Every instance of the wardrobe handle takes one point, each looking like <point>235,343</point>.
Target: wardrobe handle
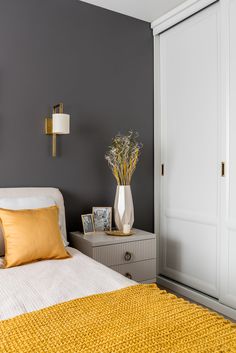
<point>162,169</point>
<point>223,169</point>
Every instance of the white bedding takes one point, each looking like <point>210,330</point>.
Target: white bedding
<point>41,284</point>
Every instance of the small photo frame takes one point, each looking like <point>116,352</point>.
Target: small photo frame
<point>88,223</point>
<point>102,218</point>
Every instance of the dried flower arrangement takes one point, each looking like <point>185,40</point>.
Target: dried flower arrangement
<point>123,155</point>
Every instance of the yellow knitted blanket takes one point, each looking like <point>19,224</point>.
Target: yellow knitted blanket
<point>140,318</point>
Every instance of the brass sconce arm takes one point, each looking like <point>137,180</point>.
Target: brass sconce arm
<point>58,124</point>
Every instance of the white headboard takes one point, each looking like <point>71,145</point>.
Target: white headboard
<point>53,193</point>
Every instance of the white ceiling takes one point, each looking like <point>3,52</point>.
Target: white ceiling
<point>147,10</point>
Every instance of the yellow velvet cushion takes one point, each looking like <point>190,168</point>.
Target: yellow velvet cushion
<point>31,235</point>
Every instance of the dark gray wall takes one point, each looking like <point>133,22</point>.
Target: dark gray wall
<point>100,64</point>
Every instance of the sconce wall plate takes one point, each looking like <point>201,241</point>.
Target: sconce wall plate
<point>48,126</point>
<point>59,124</point>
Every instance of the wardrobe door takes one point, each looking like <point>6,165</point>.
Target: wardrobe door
<point>228,240</point>
<point>190,113</point>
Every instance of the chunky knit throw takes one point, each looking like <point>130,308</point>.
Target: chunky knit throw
<point>140,318</point>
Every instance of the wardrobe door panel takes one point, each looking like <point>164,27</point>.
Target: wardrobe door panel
<point>190,113</point>
<point>228,240</point>
<point>183,257</point>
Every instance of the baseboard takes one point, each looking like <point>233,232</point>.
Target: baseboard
<point>149,281</point>
<point>197,296</point>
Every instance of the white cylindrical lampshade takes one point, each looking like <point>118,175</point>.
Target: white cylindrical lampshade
<point>60,123</point>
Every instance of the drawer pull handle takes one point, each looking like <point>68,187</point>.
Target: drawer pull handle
<point>128,275</point>
<point>128,256</point>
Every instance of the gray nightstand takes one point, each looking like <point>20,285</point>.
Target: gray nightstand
<point>133,256</point>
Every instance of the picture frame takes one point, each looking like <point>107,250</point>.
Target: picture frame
<point>88,223</point>
<point>102,218</point>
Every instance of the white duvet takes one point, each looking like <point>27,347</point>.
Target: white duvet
<point>41,284</point>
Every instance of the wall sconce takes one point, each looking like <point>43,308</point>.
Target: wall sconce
<point>59,124</point>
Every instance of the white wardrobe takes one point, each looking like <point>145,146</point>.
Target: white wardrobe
<point>195,130</point>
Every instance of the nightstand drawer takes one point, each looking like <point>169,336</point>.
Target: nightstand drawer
<point>125,253</point>
<point>138,271</point>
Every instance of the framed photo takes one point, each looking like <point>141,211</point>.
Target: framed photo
<point>102,218</point>
<point>88,223</point>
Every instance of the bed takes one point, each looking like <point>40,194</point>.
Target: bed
<point>79,305</point>
<point>41,284</point>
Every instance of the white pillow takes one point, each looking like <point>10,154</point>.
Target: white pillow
<point>2,247</point>
<point>23,203</point>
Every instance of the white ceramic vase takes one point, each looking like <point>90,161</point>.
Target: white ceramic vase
<point>123,207</point>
